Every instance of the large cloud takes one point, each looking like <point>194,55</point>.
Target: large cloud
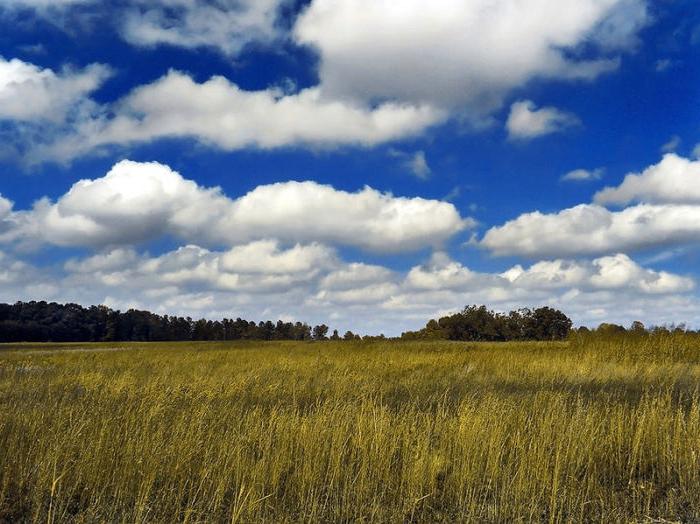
<point>30,93</point>
<point>589,229</point>
<point>219,113</point>
<point>461,54</point>
<point>257,267</point>
<point>311,282</point>
<point>668,215</point>
<point>388,70</point>
<point>674,180</point>
<point>136,202</point>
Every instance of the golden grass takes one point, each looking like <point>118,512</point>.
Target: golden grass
<point>592,430</point>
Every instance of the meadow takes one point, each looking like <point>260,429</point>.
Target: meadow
<point>595,429</point>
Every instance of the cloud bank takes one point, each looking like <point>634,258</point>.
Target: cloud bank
<point>137,202</point>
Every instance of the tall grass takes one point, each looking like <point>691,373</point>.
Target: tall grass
<point>591,430</point>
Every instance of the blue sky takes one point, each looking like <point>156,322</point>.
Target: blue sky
<point>368,164</point>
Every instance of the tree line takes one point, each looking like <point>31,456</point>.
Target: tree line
<point>52,322</point>
<point>477,323</point>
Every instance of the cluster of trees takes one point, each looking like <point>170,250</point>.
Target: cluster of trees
<point>477,323</point>
<point>52,322</point>
<point>636,328</point>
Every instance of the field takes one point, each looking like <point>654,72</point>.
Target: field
<point>595,429</point>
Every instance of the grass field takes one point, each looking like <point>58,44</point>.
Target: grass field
<point>591,430</point>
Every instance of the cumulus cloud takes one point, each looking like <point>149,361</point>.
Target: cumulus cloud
<point>30,93</point>
<point>457,54</point>
<point>227,25</point>
<point>589,229</point>
<point>197,269</point>
<point>610,272</point>
<point>583,175</point>
<point>136,202</point>
<point>665,213</point>
<point>442,273</point>
<point>219,113</point>
<point>674,180</point>
<point>525,121</point>
<point>387,70</point>
<point>314,283</point>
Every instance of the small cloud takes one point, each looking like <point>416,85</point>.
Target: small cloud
<point>671,145</point>
<point>525,121</point>
<point>416,163</point>
<point>696,151</point>
<point>32,49</point>
<point>453,194</point>
<point>663,65</point>
<point>419,165</point>
<point>695,35</point>
<point>664,256</point>
<point>583,175</point>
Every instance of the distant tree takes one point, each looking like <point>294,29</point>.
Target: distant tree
<point>349,335</point>
<point>638,328</point>
<point>606,328</point>
<point>550,324</point>
<point>335,335</point>
<point>320,332</point>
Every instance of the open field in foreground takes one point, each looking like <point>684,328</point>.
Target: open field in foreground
<point>591,430</point>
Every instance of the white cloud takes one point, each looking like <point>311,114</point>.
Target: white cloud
<point>589,229</point>
<point>388,70</point>
<point>356,275</point>
<point>605,273</point>
<point>193,269</point>
<point>30,93</point>
<point>416,163</point>
<point>265,256</point>
<point>457,54</point>
<point>671,145</point>
<point>41,4</point>
<point>136,202</point>
<point>525,121</point>
<point>441,273</point>
<point>227,25</point>
<point>696,151</point>
<point>666,213</point>
<point>314,283</point>
<point>610,272</point>
<point>674,180</point>
<point>220,114</point>
<point>583,175</point>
